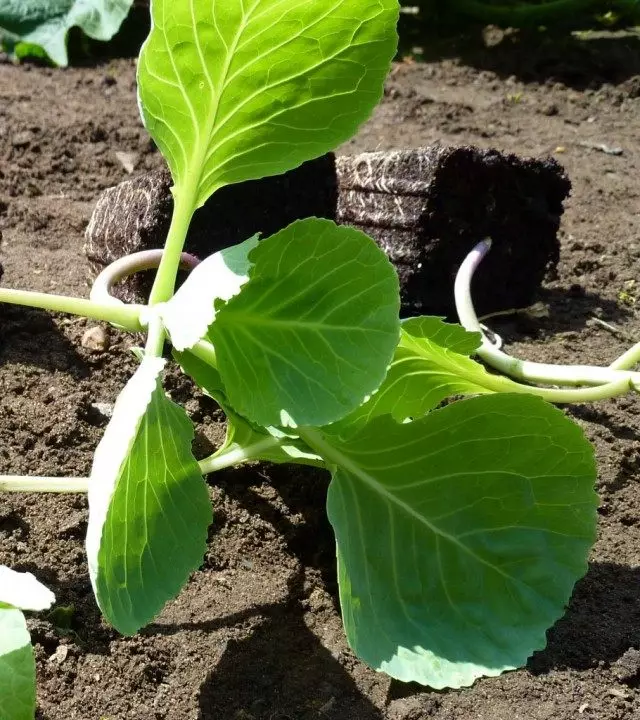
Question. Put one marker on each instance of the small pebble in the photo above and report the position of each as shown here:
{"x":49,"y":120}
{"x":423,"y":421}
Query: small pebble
{"x":22,"y":139}
{"x":60,"y":655}
{"x":128,"y":160}
{"x":95,"y":339}
{"x":105,"y":409}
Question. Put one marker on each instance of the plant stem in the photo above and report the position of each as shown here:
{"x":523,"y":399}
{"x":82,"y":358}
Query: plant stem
{"x":608,"y":381}
{"x":628,"y":359}
{"x":155,"y":337}
{"x":25,"y":484}
{"x":125,"y":316}
{"x":224,"y":459}
{"x":165,"y":281}
{"x":236,"y":455}
{"x":205,"y":351}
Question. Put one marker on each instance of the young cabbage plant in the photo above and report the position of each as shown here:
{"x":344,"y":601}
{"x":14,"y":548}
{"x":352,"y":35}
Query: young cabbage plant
{"x":461,"y":529}
{"x":18,"y":592}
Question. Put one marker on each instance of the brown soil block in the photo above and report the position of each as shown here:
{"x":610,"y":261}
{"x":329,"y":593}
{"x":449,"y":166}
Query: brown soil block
{"x":426,"y":208}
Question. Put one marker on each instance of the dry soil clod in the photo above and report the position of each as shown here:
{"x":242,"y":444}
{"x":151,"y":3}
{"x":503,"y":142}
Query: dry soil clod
{"x":426,"y":208}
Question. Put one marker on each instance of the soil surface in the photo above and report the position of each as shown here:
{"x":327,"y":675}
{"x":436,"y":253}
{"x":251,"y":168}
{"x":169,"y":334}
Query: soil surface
{"x":257,"y":631}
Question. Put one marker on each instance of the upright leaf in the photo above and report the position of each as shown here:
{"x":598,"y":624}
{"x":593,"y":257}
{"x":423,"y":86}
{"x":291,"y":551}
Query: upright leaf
{"x":149,"y":506}
{"x":313,"y":331}
{"x":460,"y":536}
{"x":233,"y":90}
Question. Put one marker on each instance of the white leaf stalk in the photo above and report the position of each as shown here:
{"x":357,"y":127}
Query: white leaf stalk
{"x":610,"y":381}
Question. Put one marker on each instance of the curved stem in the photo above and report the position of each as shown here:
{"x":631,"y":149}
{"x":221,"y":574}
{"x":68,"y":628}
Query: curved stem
{"x":236,"y":455}
{"x":205,"y":351}
{"x":605,"y":379}
{"x":122,"y":268}
{"x":628,"y":359}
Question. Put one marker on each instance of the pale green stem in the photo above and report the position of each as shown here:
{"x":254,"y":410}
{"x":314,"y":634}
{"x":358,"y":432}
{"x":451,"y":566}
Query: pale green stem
{"x":26,"y":484}
{"x":225,"y":459}
{"x":165,"y":281}
{"x":155,"y":337}
{"x":628,"y":359}
{"x":125,"y":316}
{"x":205,"y":351}
{"x":237,"y":455}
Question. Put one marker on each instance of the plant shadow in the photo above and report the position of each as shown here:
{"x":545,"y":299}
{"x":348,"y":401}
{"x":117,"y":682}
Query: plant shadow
{"x":565,"y":310}
{"x":293,"y":675}
{"x":31,"y":337}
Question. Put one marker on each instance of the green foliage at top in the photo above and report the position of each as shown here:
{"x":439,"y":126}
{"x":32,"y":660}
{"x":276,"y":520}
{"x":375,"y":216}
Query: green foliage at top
{"x":234,"y":90}
{"x":34,"y":27}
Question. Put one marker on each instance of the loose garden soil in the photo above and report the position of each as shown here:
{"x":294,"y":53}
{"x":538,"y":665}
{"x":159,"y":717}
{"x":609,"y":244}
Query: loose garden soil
{"x":257,"y":631}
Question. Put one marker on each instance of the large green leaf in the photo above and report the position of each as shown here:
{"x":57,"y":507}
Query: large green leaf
{"x":244,"y":438}
{"x":149,"y":506}
{"x":313,"y":331}
{"x":26,"y":25}
{"x":460,"y":535}
{"x":215,"y":280}
{"x":431,"y":364}
{"x":17,"y":667}
{"x":233,"y":90}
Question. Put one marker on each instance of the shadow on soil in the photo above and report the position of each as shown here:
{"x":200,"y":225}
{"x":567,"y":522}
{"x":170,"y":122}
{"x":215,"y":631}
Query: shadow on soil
{"x":24,"y":333}
{"x":286,"y":661}
{"x":580,"y":61}
{"x":568,"y":310}
{"x":602,"y":622}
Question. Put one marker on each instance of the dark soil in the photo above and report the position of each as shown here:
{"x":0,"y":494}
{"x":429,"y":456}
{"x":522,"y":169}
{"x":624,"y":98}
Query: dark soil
{"x":257,"y":633}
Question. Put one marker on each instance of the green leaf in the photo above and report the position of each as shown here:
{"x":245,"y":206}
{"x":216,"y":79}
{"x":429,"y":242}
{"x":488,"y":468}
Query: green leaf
{"x":215,"y":280}
{"x":460,"y":536}
{"x":430,"y":365}
{"x":26,"y":25}
{"x":149,"y":505}
{"x":17,"y":667}
{"x":234,"y":90}
{"x":313,"y":331}
{"x":21,"y":590}
{"x":268,"y":444}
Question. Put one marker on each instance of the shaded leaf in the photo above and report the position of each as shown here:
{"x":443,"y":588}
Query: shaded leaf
{"x":17,"y":667}
{"x":460,"y":535}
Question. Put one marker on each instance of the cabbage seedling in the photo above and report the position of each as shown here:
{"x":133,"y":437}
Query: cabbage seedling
{"x":461,"y":530}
